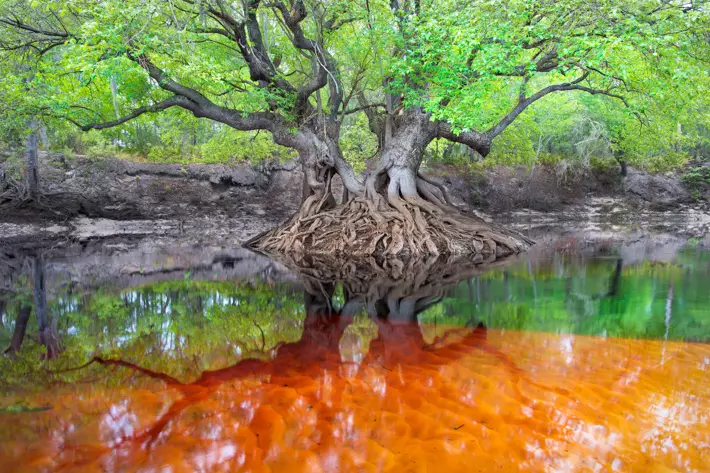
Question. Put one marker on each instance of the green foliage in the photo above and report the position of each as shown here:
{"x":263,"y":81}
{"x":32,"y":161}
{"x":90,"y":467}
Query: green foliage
{"x":467,"y":63}
{"x":515,"y":146}
{"x":697,"y":179}
{"x":651,"y":300}
{"x":358,"y":143}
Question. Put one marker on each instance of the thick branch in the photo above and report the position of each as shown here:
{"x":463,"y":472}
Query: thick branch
{"x":33,"y":29}
{"x":479,"y":142}
{"x":202,"y":107}
{"x":247,"y":36}
{"x":363,"y":108}
{"x":325,"y":68}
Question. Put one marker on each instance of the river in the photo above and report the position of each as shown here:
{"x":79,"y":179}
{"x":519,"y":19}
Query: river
{"x":589,"y":353}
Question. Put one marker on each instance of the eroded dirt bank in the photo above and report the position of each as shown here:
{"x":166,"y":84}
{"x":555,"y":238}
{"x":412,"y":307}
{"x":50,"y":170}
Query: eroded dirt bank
{"x":86,"y":199}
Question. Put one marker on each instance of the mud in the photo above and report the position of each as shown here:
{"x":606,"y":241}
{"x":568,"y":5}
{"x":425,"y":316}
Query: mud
{"x":548,"y":189}
{"x":87,"y":199}
{"x":124,"y":190}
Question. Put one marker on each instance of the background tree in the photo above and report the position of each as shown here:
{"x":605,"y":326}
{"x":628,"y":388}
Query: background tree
{"x":454,"y":70}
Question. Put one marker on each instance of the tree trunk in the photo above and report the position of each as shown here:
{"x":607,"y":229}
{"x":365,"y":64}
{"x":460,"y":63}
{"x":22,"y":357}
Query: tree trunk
{"x":47,"y":330}
{"x":619,"y":157}
{"x":18,"y":334}
{"x":32,"y":161}
{"x":623,"y":166}
{"x":397,"y":211}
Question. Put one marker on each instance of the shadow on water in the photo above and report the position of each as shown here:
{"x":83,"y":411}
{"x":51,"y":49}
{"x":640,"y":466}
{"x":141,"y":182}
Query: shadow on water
{"x":231,"y":360}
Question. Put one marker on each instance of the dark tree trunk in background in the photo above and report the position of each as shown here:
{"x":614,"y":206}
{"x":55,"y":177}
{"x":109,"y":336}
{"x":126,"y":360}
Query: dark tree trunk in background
{"x":616,"y":279}
{"x":18,"y":334}
{"x":47,"y":328}
{"x":32,"y":161}
{"x":623,"y":166}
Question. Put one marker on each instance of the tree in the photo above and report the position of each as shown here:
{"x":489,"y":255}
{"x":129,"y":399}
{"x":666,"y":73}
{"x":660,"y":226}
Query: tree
{"x":18,"y":334}
{"x":297,"y":68}
{"x":47,"y":326}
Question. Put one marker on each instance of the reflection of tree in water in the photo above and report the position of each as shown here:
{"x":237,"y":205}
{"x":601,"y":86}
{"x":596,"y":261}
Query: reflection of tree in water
{"x":402,"y":372}
{"x":47,"y":327}
{"x":46,"y":324}
{"x":18,"y":333}
{"x":393,"y":306}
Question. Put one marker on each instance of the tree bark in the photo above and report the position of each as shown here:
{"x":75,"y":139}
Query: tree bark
{"x":32,"y":161}
{"x":321,"y":158}
{"x":18,"y":334}
{"x":47,"y":328}
{"x":397,"y":211}
{"x":623,"y":166}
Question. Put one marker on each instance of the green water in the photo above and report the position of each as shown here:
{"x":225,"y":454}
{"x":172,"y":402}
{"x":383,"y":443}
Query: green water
{"x":600,"y":296}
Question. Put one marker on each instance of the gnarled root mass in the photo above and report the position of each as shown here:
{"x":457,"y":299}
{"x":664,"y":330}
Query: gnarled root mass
{"x":362,"y":228}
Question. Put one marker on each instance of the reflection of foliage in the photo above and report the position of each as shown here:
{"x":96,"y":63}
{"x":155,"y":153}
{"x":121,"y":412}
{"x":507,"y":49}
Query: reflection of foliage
{"x":178,"y":327}
{"x":185,"y":327}
{"x":357,"y":337}
{"x":651,"y":300}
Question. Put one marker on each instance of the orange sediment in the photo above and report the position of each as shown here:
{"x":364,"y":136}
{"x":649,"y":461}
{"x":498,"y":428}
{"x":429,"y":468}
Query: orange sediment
{"x":501,"y":401}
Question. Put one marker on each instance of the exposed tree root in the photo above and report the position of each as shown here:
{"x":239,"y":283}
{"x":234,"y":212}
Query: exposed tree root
{"x":410,"y":227}
{"x":387,"y":279}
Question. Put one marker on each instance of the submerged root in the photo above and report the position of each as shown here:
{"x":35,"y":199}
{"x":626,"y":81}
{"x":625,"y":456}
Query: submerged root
{"x":403,"y":228}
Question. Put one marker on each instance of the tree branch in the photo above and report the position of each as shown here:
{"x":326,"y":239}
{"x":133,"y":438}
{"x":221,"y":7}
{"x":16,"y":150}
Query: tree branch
{"x":363,"y":108}
{"x":32,"y":29}
{"x":202,"y":107}
{"x":479,"y":142}
{"x":165,"y":104}
{"x":526,"y":102}
{"x":261,"y":68}
{"x":325,"y":67}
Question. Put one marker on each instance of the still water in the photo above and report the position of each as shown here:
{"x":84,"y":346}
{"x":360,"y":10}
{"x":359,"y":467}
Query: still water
{"x":185,"y":360}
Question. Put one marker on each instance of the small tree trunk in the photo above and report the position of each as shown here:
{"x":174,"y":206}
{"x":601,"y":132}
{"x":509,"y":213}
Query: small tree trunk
{"x":624,"y":168}
{"x":47,"y":330}
{"x":32,"y":161}
{"x":616,"y":279}
{"x":18,"y":334}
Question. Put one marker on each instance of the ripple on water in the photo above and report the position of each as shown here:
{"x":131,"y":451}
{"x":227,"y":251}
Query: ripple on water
{"x":518,"y":401}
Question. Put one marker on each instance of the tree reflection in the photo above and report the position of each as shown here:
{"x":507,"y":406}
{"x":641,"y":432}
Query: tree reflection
{"x":47,"y":333}
{"x":47,"y":326}
{"x":18,"y":333}
{"x":193,"y":368}
{"x":392,"y":305}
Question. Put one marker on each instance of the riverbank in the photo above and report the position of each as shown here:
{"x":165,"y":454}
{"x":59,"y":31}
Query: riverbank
{"x":90,"y":198}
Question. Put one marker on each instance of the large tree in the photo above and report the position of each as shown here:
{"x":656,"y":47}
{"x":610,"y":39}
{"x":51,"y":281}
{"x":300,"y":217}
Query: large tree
{"x":452,"y":69}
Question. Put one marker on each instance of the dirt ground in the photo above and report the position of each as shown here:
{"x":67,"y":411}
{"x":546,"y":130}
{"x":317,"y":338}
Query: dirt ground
{"x":87,"y":199}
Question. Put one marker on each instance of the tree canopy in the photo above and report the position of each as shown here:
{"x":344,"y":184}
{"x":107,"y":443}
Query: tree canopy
{"x":393,"y":76}
{"x":268,"y":65}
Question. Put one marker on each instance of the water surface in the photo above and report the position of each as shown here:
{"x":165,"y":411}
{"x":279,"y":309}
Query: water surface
{"x":588,"y":358}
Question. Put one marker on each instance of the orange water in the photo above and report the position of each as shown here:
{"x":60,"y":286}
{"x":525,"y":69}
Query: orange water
{"x":505,"y":401}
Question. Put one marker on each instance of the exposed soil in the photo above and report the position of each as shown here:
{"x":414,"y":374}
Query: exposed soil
{"x":86,"y":199}
{"x":124,"y":190}
{"x":547,"y":189}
